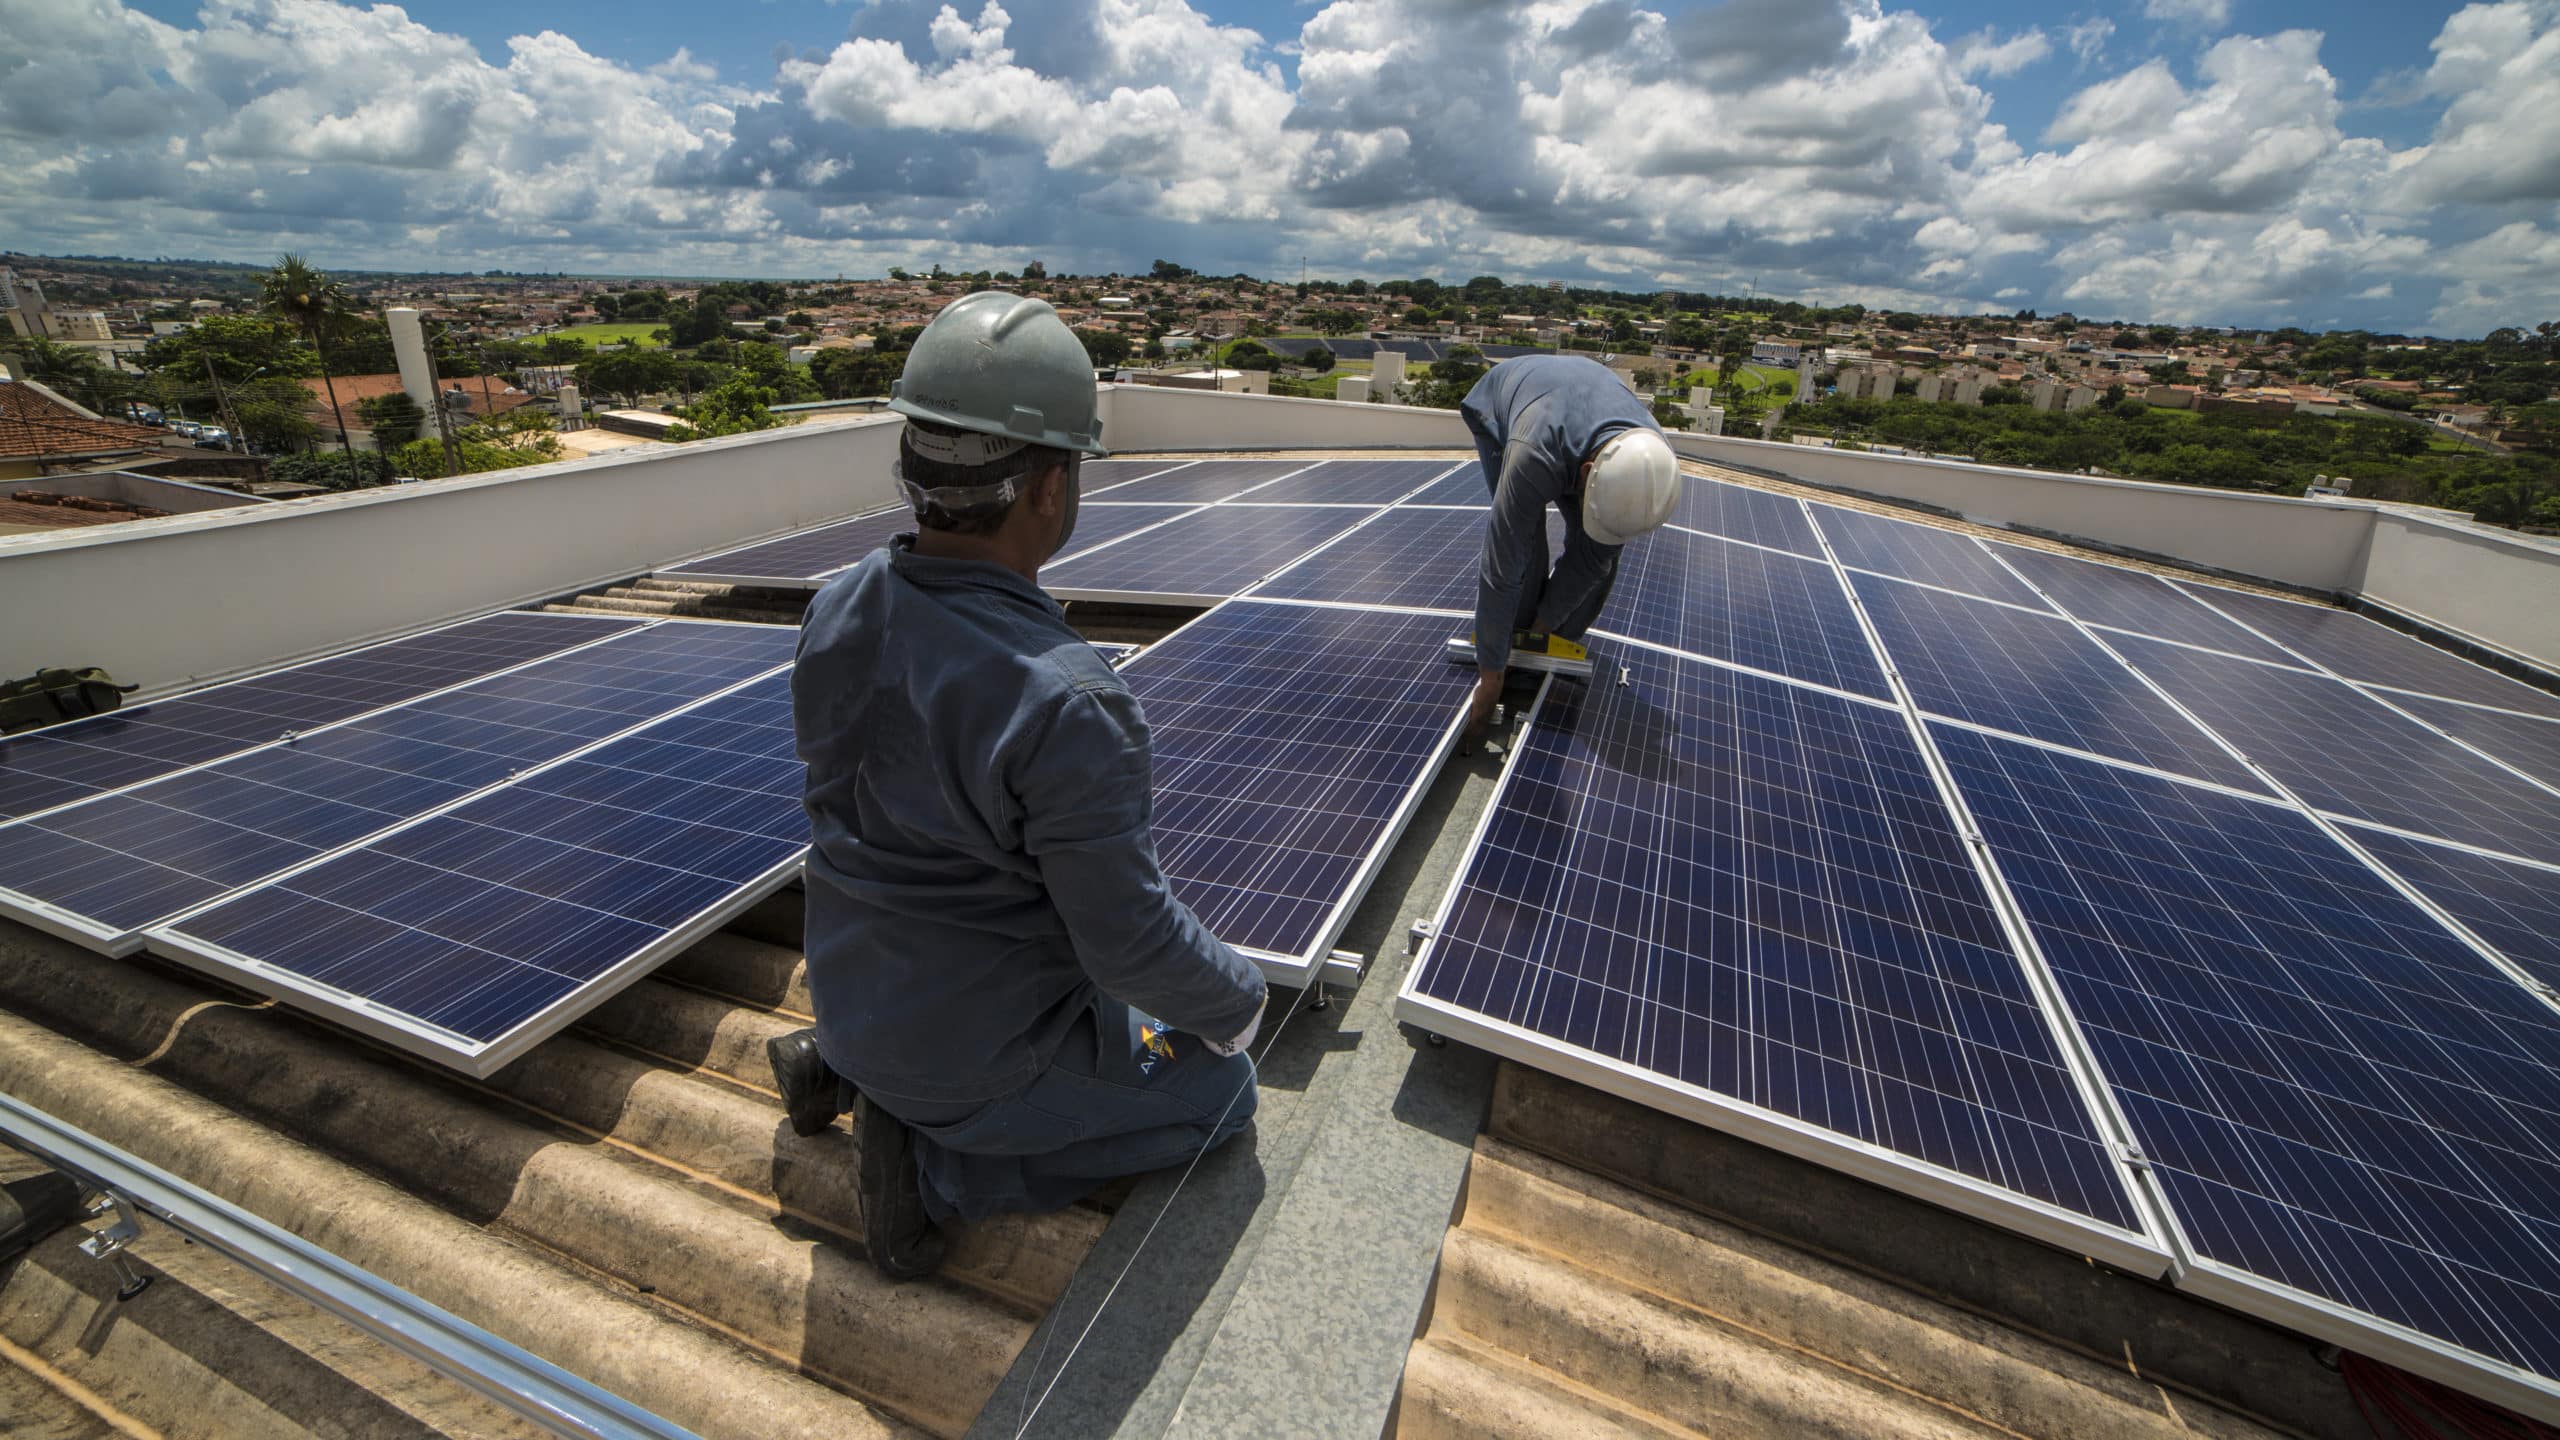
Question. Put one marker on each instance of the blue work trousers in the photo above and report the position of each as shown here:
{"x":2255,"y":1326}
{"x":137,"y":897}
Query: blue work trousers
{"x":1123,"y":1097}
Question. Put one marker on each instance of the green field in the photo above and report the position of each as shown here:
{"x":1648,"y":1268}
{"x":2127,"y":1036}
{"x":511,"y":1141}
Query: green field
{"x":593,"y":335}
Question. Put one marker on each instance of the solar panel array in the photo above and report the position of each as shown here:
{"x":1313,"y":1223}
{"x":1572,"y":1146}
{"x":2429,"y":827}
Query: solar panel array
{"x":2207,"y":932}
{"x":2270,"y":1010}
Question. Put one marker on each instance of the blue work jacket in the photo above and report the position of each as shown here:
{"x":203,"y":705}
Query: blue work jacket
{"x":979,"y":795}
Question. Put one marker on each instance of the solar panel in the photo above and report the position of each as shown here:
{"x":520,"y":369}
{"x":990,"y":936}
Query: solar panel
{"x":1739,"y":512}
{"x":2344,"y":753}
{"x":472,"y":934}
{"x":1100,"y":475}
{"x":2035,"y":675}
{"x":1425,"y":559}
{"x":104,"y":870}
{"x":1923,"y":553}
{"x":1462,"y":486}
{"x":802,"y":559}
{"x":1207,"y":480}
{"x":1201,"y":558}
{"x":2368,"y":650}
{"x":2512,"y":906}
{"x":41,"y":769}
{"x":1291,"y":743}
{"x":2352,"y":1114}
{"x":1706,"y":596}
{"x":2122,"y":599}
{"x":1350,"y":482}
{"x":1098,"y":524}
{"x":2528,"y":744}
{"x":1744,"y":901}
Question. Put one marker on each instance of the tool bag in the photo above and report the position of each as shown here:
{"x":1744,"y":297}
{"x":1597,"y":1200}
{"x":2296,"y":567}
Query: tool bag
{"x":49,"y":697}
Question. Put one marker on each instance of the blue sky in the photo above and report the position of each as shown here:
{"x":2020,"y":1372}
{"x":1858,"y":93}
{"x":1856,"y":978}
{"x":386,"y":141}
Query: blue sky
{"x":2222,"y":161}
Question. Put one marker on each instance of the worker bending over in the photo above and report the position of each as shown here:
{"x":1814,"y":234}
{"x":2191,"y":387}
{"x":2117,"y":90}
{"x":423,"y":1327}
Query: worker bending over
{"x":990,"y":939}
{"x":1557,"y":430}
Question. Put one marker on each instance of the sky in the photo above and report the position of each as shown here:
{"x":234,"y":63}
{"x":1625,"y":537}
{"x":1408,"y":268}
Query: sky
{"x":2244,"y":162}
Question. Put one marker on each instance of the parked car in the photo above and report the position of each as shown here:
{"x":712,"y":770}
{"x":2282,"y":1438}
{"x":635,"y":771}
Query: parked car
{"x":212,"y":437}
{"x":188,"y":428}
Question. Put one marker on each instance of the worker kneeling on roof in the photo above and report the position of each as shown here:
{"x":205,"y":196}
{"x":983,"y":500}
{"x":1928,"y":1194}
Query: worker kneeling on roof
{"x":1557,"y":430}
{"x":990,"y":940}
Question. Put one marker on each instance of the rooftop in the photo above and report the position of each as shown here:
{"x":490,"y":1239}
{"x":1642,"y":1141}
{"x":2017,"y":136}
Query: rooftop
{"x":1524,"y":1230}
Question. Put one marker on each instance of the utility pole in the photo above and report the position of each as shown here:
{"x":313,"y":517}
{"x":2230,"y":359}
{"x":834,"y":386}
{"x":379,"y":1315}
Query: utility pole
{"x":222,"y":402}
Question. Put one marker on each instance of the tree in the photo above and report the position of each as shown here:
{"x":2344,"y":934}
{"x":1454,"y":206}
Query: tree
{"x":733,"y":407}
{"x":314,"y":304}
{"x":853,"y":374}
{"x":394,"y":419}
{"x":1108,"y":349}
{"x":2127,"y":340}
{"x":237,"y":346}
{"x":1320,"y":360}
{"x":1251,"y":355}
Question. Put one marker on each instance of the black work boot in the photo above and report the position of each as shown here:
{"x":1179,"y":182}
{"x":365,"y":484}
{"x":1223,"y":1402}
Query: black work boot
{"x":812,"y":1094}
{"x":904,"y":1242}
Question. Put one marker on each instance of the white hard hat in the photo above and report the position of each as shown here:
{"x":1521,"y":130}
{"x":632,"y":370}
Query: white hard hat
{"x":1634,"y":480}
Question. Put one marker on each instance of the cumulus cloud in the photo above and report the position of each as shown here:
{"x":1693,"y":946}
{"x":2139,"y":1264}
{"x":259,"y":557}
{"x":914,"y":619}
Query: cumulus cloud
{"x":1835,"y":150}
{"x":2498,"y":67}
{"x":1983,"y":53}
{"x":2204,"y":15}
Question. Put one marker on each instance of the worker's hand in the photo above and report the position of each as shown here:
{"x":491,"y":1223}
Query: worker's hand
{"x":1488,"y":693}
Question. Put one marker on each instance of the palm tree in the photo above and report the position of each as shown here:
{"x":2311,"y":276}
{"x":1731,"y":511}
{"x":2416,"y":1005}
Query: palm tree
{"x":313,"y":303}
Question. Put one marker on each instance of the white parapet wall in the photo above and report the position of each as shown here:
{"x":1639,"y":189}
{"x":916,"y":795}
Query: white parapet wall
{"x":187,"y":598}
{"x":193,"y":597}
{"x":2496,"y":587}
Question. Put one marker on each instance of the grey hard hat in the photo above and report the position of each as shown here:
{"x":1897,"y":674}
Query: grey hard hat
{"x":1002,"y":364}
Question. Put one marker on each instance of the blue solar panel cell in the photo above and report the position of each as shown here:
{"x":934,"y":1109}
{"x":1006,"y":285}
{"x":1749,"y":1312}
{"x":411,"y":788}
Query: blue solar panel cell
{"x":1101,"y":475}
{"x":1463,"y":486}
{"x":110,"y":867}
{"x":2130,"y":600}
{"x":65,"y":763}
{"x":1923,"y":553}
{"x":1742,"y":898}
{"x":1350,"y":482}
{"x":2338,"y":1097}
{"x":2368,"y":650}
{"x":2528,"y":744}
{"x":493,"y":923}
{"x":1289,"y":743}
{"x":2512,"y":906}
{"x":1426,"y":559}
{"x":1206,"y":480}
{"x":1739,"y":512}
{"x":2346,"y":754}
{"x":1780,"y":613}
{"x":802,"y":557}
{"x":1099,"y":523}
{"x":1209,"y":555}
{"x":2038,"y":676}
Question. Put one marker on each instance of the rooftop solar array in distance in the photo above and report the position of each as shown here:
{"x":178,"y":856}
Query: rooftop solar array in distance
{"x":1780,"y":613}
{"x":1100,"y":475}
{"x":1425,"y":559}
{"x":2370,"y":651}
{"x":2345,"y":753}
{"x":2035,"y":675}
{"x":1206,"y":480}
{"x":1463,"y":486}
{"x":64,"y":763}
{"x":2528,"y":744}
{"x":108,"y":868}
{"x":2512,"y":906}
{"x":1744,"y":901}
{"x":2338,"y":1097}
{"x":1290,"y":745}
{"x":1205,"y":556}
{"x":2129,"y":600}
{"x":1739,"y":512}
{"x":1099,"y":524}
{"x":803,"y":557}
{"x":471,"y":934}
{"x":1349,"y":482}
{"x":1921,"y":552}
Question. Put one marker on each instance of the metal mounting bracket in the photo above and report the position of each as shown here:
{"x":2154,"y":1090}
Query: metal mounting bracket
{"x":108,"y":1244}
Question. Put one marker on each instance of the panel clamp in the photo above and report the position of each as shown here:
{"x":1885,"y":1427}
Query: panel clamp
{"x":2131,"y":1154}
{"x":108,"y":1244}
